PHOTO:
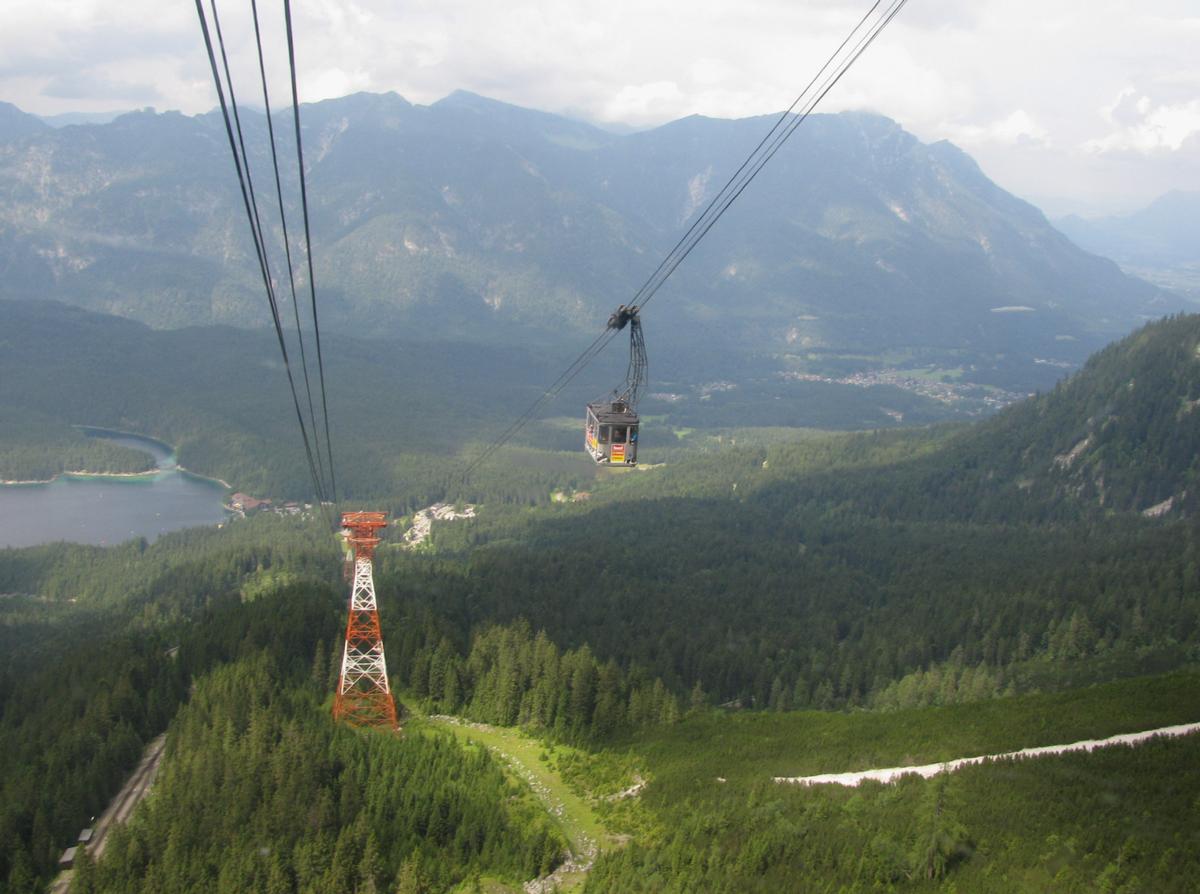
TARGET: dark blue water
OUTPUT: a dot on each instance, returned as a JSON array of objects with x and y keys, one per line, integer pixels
[{"x": 105, "y": 511}]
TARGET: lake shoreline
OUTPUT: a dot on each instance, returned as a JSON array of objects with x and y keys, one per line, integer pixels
[
  {"x": 84, "y": 474},
  {"x": 105, "y": 508},
  {"x": 96, "y": 431}
]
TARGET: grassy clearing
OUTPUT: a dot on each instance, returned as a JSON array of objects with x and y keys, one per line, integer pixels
[{"x": 528, "y": 758}]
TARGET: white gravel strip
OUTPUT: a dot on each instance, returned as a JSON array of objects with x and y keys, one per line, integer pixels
[{"x": 891, "y": 774}]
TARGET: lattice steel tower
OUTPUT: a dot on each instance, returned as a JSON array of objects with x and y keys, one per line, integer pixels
[{"x": 363, "y": 696}]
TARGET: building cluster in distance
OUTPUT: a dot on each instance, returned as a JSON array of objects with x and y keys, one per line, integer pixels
[
  {"x": 967, "y": 396},
  {"x": 422, "y": 525},
  {"x": 243, "y": 504}
]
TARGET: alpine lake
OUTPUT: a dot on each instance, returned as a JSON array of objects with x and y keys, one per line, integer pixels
[{"x": 105, "y": 509}]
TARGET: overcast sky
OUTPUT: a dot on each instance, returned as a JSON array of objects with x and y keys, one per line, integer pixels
[{"x": 1085, "y": 105}]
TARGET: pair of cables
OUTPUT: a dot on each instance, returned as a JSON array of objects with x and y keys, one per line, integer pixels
[
  {"x": 864, "y": 33},
  {"x": 320, "y": 464}
]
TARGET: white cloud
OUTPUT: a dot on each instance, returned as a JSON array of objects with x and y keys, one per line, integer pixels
[
  {"x": 330, "y": 83},
  {"x": 1145, "y": 126},
  {"x": 1017, "y": 82},
  {"x": 642, "y": 103},
  {"x": 1016, "y": 128}
]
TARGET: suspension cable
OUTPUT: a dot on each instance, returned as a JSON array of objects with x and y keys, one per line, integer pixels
[
  {"x": 287, "y": 246},
  {"x": 664, "y": 268},
  {"x": 251, "y": 213},
  {"x": 312, "y": 289},
  {"x": 652, "y": 285}
]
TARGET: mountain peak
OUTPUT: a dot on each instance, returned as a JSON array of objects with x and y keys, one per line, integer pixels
[
  {"x": 15, "y": 124},
  {"x": 468, "y": 98}
]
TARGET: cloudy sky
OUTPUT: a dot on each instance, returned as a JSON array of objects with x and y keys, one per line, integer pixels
[{"x": 1078, "y": 105}]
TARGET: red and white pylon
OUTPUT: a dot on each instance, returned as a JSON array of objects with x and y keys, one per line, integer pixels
[{"x": 363, "y": 696}]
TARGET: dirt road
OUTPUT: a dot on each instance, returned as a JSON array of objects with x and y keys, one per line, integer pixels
[
  {"x": 127, "y": 798},
  {"x": 120, "y": 807}
]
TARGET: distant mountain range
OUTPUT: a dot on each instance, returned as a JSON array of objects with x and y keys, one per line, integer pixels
[
  {"x": 477, "y": 220},
  {"x": 1161, "y": 242},
  {"x": 1164, "y": 233}
]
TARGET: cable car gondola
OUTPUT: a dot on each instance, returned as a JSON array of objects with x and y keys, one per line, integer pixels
[
  {"x": 611, "y": 424},
  {"x": 611, "y": 434}
]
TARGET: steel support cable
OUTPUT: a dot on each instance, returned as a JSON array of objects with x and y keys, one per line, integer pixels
[
  {"x": 237, "y": 163},
  {"x": 780, "y": 138},
  {"x": 547, "y": 395},
  {"x": 261, "y": 242},
  {"x": 264, "y": 260},
  {"x": 287, "y": 245},
  {"x": 720, "y": 203},
  {"x": 312, "y": 289},
  {"x": 730, "y": 183},
  {"x": 592, "y": 350},
  {"x": 240, "y": 160},
  {"x": 550, "y": 393}
]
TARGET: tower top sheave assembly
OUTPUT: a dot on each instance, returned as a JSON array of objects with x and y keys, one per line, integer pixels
[
  {"x": 363, "y": 695},
  {"x": 362, "y": 532}
]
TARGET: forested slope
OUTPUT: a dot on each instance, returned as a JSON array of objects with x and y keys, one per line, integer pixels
[
  {"x": 240, "y": 628},
  {"x": 1123, "y": 433},
  {"x": 884, "y": 569},
  {"x": 255, "y": 750},
  {"x": 71, "y": 728},
  {"x": 37, "y": 447},
  {"x": 910, "y": 578},
  {"x": 1114, "y": 820},
  {"x": 828, "y": 610}
]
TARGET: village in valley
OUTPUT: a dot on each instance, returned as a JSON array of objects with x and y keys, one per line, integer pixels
[
  {"x": 972, "y": 398},
  {"x": 241, "y": 505}
]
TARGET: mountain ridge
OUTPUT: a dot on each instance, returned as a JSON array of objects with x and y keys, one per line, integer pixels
[
  {"x": 493, "y": 222},
  {"x": 1163, "y": 232}
]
